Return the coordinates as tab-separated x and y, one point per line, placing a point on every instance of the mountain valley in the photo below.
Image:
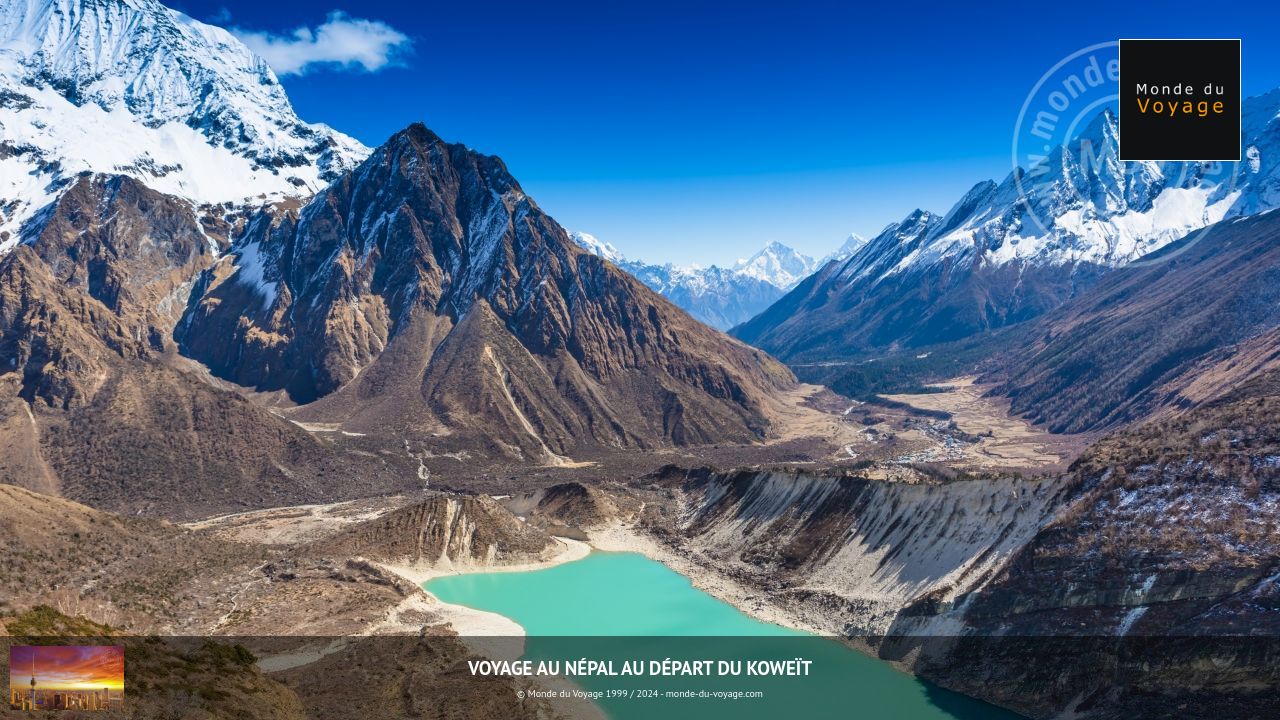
268	410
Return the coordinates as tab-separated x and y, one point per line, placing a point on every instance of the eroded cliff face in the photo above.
849	553
1155	591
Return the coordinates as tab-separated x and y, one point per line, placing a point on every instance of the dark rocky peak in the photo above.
397	256
976	200
886	250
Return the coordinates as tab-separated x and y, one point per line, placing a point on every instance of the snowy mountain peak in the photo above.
598	247
132	87
851	245
725	297
1080	204
719	297
778	265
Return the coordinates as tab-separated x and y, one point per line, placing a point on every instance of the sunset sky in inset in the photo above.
69	667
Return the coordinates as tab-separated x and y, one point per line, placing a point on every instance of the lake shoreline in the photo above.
615	604
746	599
470	622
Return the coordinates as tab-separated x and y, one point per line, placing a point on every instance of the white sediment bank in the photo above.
469	622
496	636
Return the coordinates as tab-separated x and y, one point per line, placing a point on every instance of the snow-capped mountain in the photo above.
598	247
134	88
777	265
1082	204
1009	251
852	244
719	297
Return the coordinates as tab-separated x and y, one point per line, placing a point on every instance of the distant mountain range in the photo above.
723	297
1010	251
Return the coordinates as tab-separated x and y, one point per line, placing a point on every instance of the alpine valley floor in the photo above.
929	520
259	381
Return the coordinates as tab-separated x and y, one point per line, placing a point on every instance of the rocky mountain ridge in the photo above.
429	258
1162	336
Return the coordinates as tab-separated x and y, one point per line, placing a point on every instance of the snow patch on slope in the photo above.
251	270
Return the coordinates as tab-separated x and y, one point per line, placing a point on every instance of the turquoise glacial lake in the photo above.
625	607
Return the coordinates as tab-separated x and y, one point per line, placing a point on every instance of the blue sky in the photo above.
686	132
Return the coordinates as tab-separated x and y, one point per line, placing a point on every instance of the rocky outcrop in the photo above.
572	506
443	531
426	292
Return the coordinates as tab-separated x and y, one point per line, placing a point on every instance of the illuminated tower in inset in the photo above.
33	679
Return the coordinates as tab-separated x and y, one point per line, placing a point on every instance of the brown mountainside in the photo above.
426	293
91	401
1188	322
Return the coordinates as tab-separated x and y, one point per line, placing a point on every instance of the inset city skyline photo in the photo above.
66	677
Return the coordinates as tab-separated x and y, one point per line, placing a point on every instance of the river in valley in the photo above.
625	607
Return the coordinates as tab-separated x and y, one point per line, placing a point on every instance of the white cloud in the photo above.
341	41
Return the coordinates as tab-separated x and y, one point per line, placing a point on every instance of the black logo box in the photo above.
1186	65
